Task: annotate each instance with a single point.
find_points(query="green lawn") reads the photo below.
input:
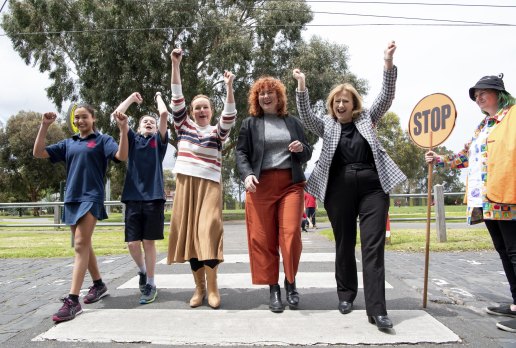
(414, 240)
(28, 242)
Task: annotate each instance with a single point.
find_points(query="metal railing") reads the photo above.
(57, 207)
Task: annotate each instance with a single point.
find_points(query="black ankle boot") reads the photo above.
(292, 294)
(381, 321)
(275, 304)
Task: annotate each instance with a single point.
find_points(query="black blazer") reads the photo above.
(251, 144)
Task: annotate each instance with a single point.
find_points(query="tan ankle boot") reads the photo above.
(213, 290)
(200, 288)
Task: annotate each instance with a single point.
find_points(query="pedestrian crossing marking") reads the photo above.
(305, 257)
(304, 280)
(246, 327)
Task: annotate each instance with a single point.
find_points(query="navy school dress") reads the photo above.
(86, 162)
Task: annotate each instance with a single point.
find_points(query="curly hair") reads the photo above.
(267, 83)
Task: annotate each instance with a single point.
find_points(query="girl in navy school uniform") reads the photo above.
(86, 155)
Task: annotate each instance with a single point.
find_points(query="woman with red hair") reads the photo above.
(270, 152)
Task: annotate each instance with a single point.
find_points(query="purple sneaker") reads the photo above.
(68, 311)
(95, 293)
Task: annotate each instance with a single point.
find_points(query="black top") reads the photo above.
(352, 148)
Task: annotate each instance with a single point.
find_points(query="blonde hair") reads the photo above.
(199, 96)
(357, 99)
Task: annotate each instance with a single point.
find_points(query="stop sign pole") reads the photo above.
(431, 122)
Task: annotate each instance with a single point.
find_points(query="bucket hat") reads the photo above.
(488, 82)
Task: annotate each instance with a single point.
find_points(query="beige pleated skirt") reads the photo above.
(196, 228)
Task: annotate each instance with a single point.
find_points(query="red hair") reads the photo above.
(269, 83)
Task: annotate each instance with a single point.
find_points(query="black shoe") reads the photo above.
(504, 310)
(275, 304)
(345, 307)
(509, 325)
(292, 294)
(381, 321)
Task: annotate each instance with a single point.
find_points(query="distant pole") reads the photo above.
(440, 215)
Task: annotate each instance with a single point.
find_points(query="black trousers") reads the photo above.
(353, 193)
(503, 234)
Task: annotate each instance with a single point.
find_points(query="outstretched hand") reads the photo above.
(136, 98)
(48, 118)
(298, 75)
(389, 51)
(121, 119)
(229, 77)
(176, 55)
(430, 157)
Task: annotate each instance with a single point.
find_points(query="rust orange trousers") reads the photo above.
(273, 219)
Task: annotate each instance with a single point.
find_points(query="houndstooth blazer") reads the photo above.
(329, 129)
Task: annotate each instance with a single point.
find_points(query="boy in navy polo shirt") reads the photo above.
(144, 193)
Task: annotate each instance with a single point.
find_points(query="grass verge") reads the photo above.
(414, 240)
(49, 242)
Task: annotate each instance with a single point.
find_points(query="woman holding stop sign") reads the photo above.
(490, 157)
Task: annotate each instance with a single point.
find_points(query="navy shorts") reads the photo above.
(144, 220)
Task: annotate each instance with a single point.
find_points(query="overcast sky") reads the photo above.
(430, 59)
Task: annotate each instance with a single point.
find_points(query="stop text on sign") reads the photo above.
(432, 120)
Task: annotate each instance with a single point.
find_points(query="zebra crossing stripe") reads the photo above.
(246, 327)
(304, 280)
(305, 257)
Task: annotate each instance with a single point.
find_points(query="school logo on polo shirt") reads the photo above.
(92, 144)
(152, 143)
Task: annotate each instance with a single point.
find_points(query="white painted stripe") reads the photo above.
(305, 257)
(247, 327)
(304, 280)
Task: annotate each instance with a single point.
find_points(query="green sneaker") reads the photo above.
(149, 294)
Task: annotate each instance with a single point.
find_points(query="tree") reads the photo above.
(24, 178)
(102, 51)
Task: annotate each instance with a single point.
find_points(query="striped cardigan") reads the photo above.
(199, 149)
(329, 130)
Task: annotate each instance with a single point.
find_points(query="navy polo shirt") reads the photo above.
(144, 177)
(86, 164)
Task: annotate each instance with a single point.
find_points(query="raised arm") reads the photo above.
(133, 98)
(39, 150)
(178, 104)
(163, 116)
(310, 121)
(383, 101)
(123, 126)
(176, 56)
(227, 120)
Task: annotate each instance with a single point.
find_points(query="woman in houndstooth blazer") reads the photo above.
(353, 178)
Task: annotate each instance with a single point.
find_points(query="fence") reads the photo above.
(57, 207)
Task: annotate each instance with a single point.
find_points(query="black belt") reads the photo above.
(359, 166)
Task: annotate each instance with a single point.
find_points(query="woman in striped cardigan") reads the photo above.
(196, 227)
